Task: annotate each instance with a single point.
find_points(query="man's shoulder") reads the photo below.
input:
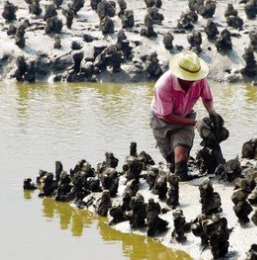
(165, 80)
(168, 74)
(203, 82)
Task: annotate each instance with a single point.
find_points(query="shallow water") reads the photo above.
(45, 122)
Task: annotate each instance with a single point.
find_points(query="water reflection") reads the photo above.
(137, 247)
(58, 96)
(27, 194)
(65, 214)
(70, 218)
(134, 247)
(251, 94)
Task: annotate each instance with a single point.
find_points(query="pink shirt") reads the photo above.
(170, 98)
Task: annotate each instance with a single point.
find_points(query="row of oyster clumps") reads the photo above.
(53, 17)
(87, 187)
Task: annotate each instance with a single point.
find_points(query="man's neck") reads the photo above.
(185, 84)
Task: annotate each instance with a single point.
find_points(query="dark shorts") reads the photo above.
(168, 135)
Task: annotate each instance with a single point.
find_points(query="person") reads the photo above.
(172, 117)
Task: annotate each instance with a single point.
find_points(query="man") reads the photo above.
(173, 119)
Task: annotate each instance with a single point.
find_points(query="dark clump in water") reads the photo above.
(213, 232)
(249, 149)
(103, 204)
(211, 155)
(137, 218)
(210, 200)
(29, 185)
(173, 191)
(180, 226)
(110, 180)
(160, 186)
(211, 30)
(230, 170)
(243, 188)
(224, 41)
(195, 41)
(252, 253)
(155, 224)
(251, 65)
(34, 7)
(9, 13)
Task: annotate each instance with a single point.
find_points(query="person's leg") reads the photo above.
(170, 160)
(181, 153)
(169, 138)
(160, 132)
(181, 158)
(182, 143)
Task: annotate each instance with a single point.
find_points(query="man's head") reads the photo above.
(188, 66)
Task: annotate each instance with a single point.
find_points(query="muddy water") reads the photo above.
(44, 122)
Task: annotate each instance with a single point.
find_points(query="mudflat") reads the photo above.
(74, 45)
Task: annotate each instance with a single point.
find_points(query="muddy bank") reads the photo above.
(124, 41)
(212, 216)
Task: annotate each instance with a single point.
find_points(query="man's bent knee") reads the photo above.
(181, 153)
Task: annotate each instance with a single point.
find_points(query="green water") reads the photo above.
(43, 122)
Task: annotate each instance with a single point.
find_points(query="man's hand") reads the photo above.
(202, 128)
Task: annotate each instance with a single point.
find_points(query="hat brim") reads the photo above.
(186, 75)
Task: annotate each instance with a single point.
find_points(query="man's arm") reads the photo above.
(208, 104)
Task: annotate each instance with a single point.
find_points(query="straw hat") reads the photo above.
(188, 66)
